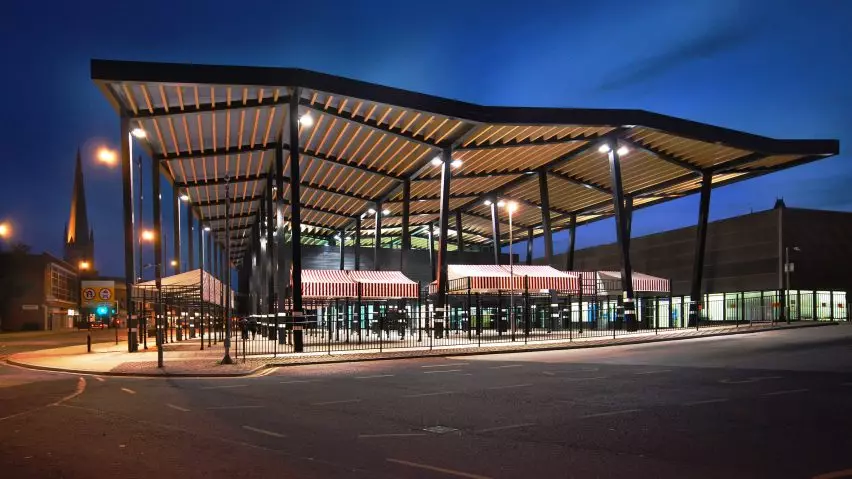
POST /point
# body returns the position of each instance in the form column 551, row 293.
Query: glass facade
column 63, row 284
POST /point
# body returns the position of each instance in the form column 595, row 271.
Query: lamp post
column 511, row 206
column 788, row 268
column 148, row 236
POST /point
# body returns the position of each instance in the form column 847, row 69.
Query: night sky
column 772, row 67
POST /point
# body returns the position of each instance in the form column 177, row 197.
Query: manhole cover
column 440, row 429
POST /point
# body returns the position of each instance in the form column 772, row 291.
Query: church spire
column 78, row 221
column 78, row 235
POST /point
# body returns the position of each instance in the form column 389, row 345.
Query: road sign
column 94, row 293
column 105, row 294
column 88, row 294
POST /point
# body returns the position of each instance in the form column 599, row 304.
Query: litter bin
column 439, row 329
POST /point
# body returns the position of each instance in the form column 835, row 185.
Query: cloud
column 705, row 46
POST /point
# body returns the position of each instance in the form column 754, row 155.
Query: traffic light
column 102, row 310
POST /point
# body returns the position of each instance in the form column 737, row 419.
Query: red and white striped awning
column 327, row 283
column 642, row 283
column 498, row 277
column 384, row 284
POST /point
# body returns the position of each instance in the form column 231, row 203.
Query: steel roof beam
column 221, row 181
column 532, row 142
column 342, row 162
column 222, row 106
column 671, row 159
column 210, row 153
column 579, row 182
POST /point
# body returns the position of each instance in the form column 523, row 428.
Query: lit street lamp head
column 139, row 133
column 107, row 156
column 5, row 230
column 147, row 235
column 84, row 265
column 174, row 262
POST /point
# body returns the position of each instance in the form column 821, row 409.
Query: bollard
column 89, row 343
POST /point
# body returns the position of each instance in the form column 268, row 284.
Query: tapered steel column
column 226, row 262
column 296, row 221
column 405, row 247
column 431, row 237
column 342, row 242
column 700, row 244
column 377, row 236
column 628, row 213
column 459, row 235
column 190, row 245
column 572, row 235
column 176, row 230
column 622, row 235
column 495, row 231
column 357, row 243
column 544, row 196
column 529, row 245
column 443, row 226
column 269, row 255
column 130, row 239
column 158, row 259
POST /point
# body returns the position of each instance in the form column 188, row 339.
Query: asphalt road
column 765, row 405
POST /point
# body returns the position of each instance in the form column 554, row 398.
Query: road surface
column 773, row 404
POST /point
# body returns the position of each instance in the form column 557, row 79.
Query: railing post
column 579, row 307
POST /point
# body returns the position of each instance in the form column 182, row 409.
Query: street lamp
column 147, row 235
column 306, row 120
column 84, row 265
column 511, row 206
column 5, row 230
column 788, row 268
column 107, row 156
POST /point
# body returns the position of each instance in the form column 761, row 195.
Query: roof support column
column 158, row 258
column 572, row 235
column 269, row 254
column 377, row 236
column 342, row 242
column 431, row 237
column 176, row 229
column 459, row 235
column 357, row 243
column 545, row 217
column 700, row 243
column 529, row 245
column 623, row 236
column 190, row 231
column 628, row 212
column 406, row 224
column 200, row 237
column 495, row 231
column 281, row 279
column 129, row 230
column 295, row 220
column 443, row 226
column 226, row 263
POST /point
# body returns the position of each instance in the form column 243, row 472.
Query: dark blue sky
column 776, row 68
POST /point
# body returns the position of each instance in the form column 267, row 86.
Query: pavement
column 773, row 404
column 186, row 358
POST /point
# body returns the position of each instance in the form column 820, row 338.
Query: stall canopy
column 610, row 282
column 384, row 284
column 498, row 277
column 212, row 291
column 322, row 283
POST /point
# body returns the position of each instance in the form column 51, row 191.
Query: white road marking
column 442, row 371
column 450, row 472
column 343, row 401
column 653, row 372
column 372, row 436
column 507, row 366
column 78, row 390
column 128, row 391
column 549, row 373
column 610, row 413
column 263, row 431
column 268, row 371
column 510, row 386
column 375, row 376
column 182, row 409
column 706, row 401
column 217, row 408
column 227, row 386
column 502, row 428
column 423, row 395
column 748, row 381
column 300, row 381
column 586, row 379
column 444, row 365
column 99, row 379
column 788, row 391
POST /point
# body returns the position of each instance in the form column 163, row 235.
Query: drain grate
column 440, row 429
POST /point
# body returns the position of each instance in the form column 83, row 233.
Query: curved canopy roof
column 207, row 122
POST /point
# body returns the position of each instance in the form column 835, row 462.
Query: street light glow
column 5, row 230
column 456, row 163
column 501, row 204
column 436, row 161
column 174, row 262
column 623, row 150
column 306, row 120
column 207, row 228
column 184, row 197
column 604, row 148
column 487, row 202
column 84, row 265
column 107, row 156
column 512, row 206
column 385, row 211
column 139, row 133
column 147, row 235
column 371, row 211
